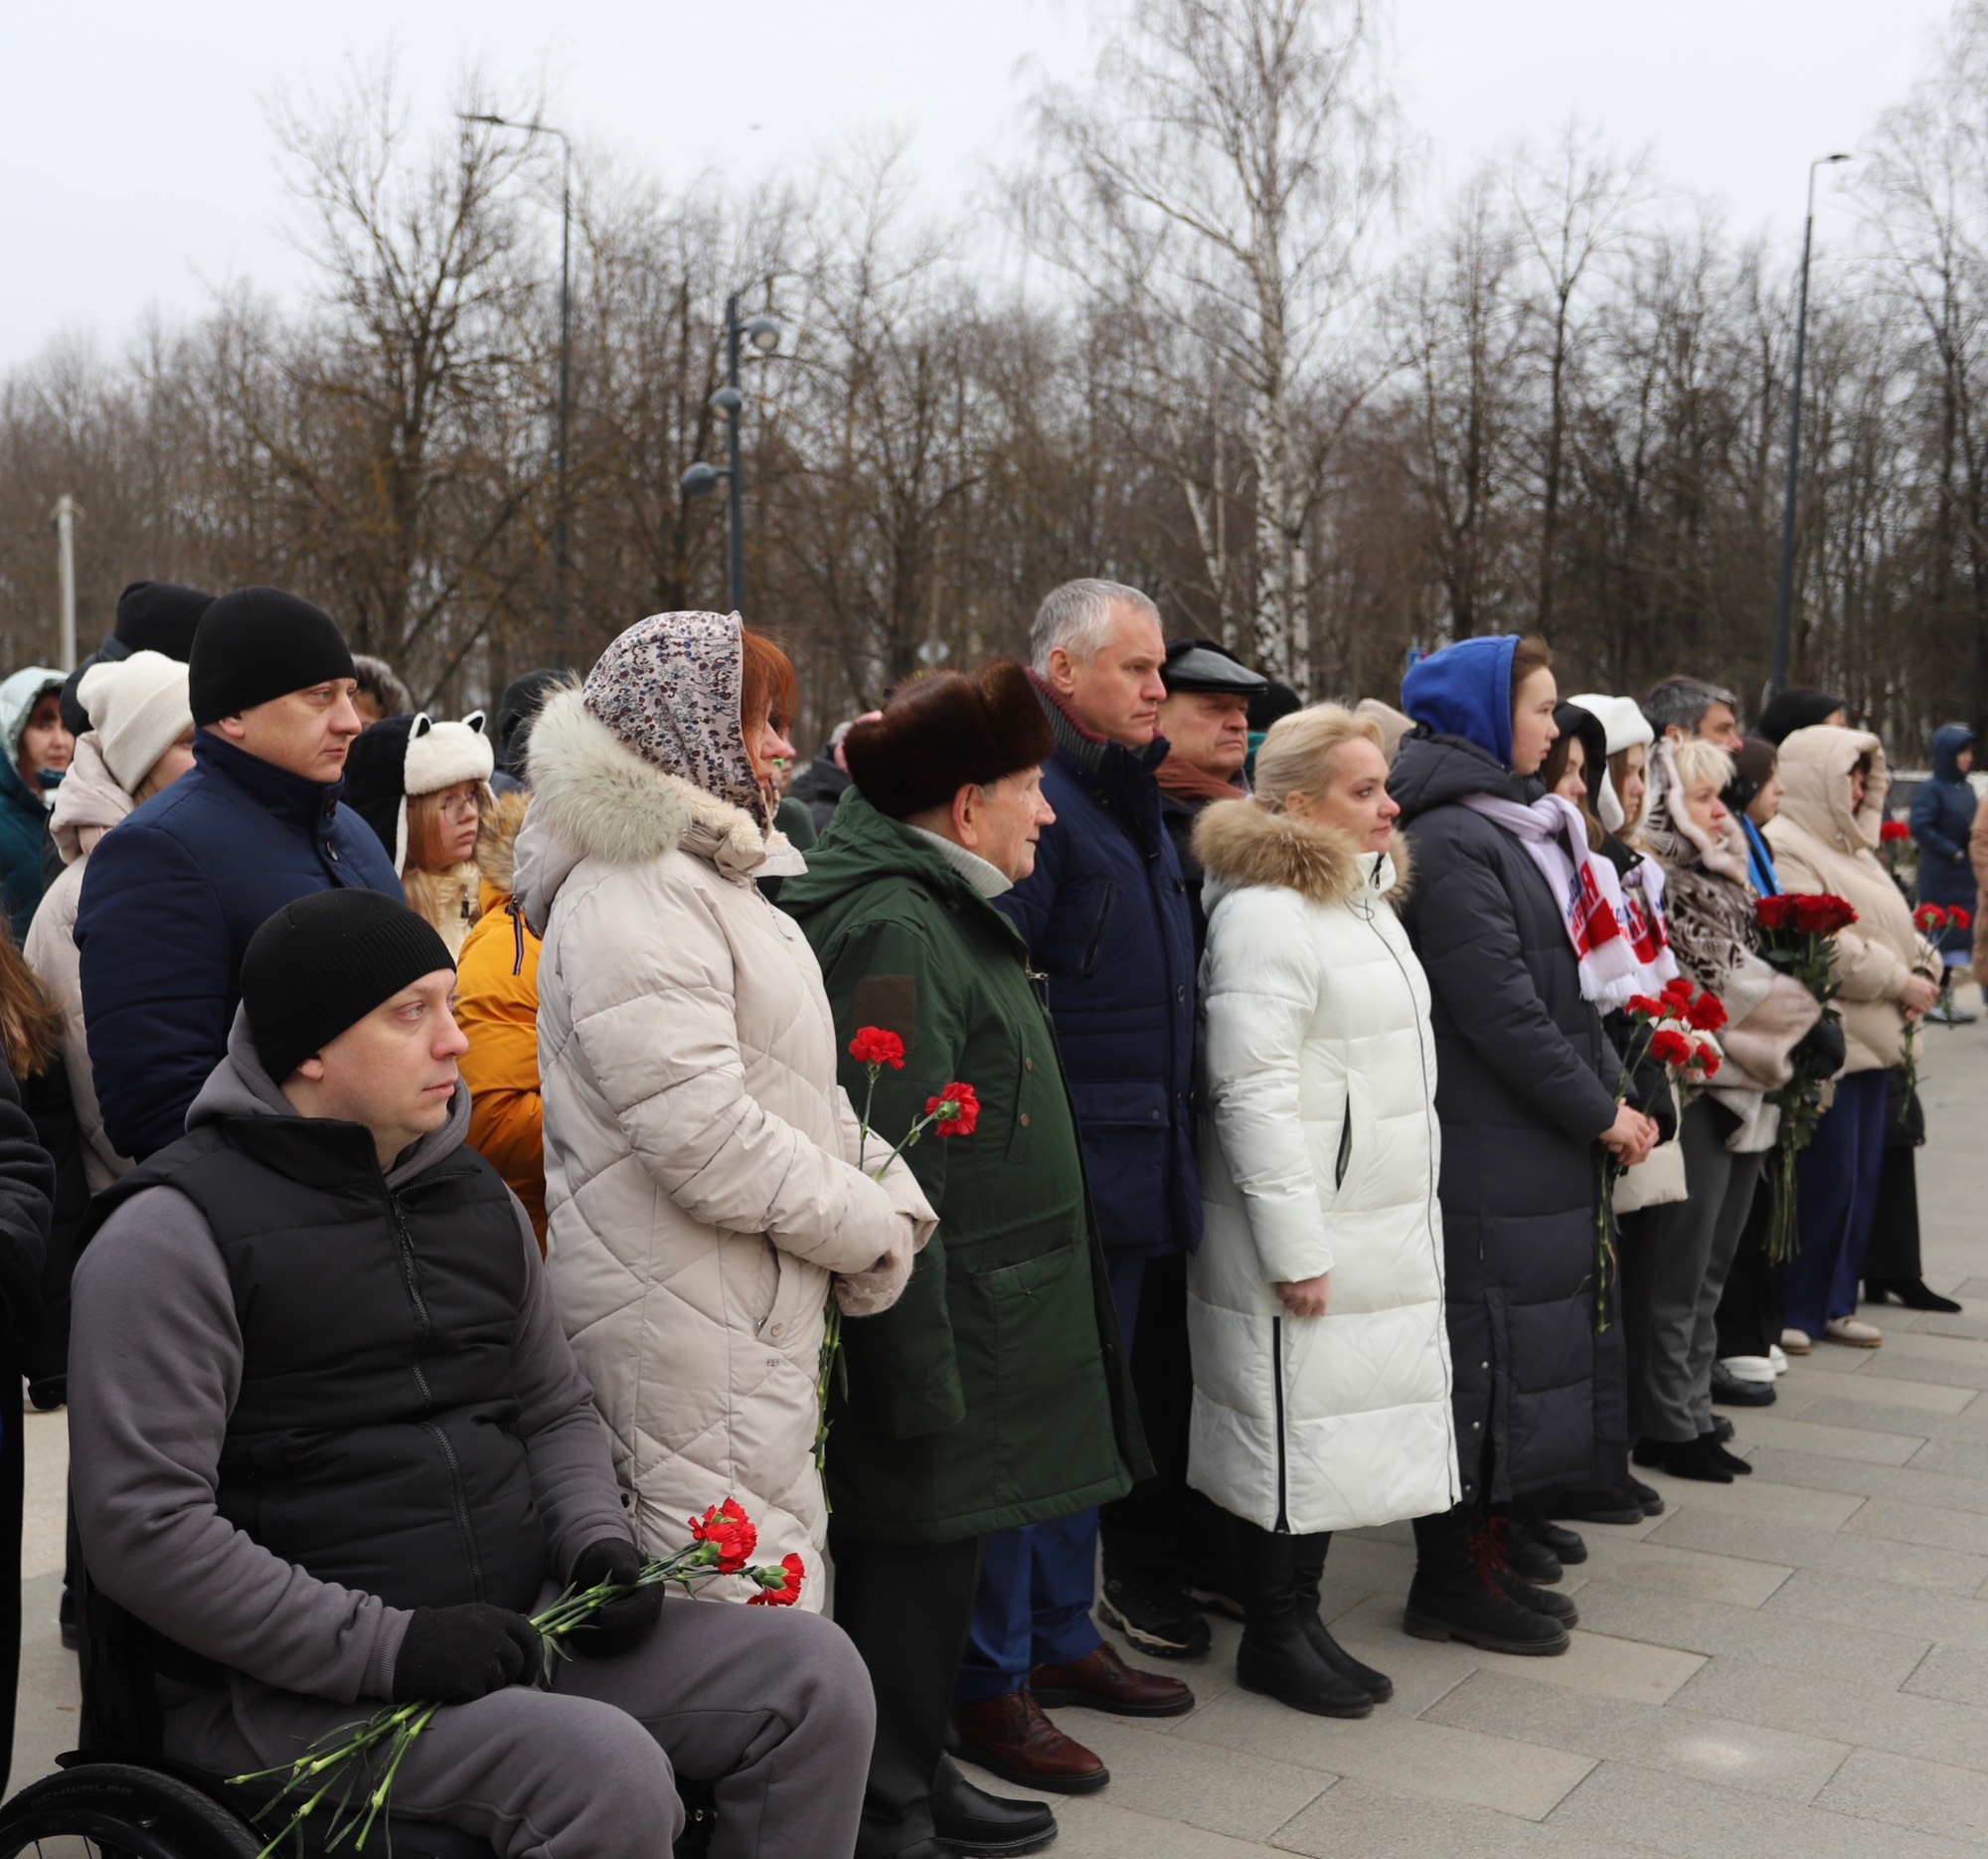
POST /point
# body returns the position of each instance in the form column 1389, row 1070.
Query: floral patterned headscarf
column 669, row 688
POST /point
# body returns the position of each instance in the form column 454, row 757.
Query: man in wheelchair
column 330, row 1448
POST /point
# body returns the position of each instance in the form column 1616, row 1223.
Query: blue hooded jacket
column 171, row 897
column 1467, row 690
column 1942, row 817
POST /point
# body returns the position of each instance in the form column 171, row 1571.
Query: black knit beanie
column 160, row 616
column 323, row 963
column 259, row 643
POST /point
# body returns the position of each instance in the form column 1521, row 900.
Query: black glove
column 1822, row 1050
column 455, row 1656
column 622, row 1624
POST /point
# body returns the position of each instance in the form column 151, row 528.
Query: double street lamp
column 762, row 335
column 1784, row 608
column 560, row 553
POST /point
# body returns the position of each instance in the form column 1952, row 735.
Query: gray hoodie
column 156, row 1365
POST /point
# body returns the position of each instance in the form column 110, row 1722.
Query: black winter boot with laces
column 1456, row 1593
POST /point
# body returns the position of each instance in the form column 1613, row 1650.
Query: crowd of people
column 1111, row 1126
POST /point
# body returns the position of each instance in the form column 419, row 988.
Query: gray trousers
column 771, row 1705
column 1692, row 1244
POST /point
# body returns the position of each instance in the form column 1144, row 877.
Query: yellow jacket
column 497, row 1006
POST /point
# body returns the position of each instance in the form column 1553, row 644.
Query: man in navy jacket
column 172, row 896
column 1105, row 917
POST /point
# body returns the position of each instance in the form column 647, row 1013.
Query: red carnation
column 957, row 1110
column 874, row 1046
column 731, row 1530
column 1931, row 919
column 1678, row 993
column 1642, row 1007
column 1959, row 918
column 1706, row 1014
column 1706, row 1061
column 1893, row 831
column 1820, row 913
column 1775, row 912
column 1670, row 1048
column 781, row 1593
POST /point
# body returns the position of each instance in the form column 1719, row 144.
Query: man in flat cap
column 1204, row 718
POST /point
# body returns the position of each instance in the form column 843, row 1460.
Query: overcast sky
column 137, row 161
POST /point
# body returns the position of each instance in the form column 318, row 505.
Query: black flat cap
column 1201, row 665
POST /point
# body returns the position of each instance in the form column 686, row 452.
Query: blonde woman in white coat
column 1321, row 1361
column 701, row 1178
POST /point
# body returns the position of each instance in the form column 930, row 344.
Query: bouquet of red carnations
column 1796, row 933
column 1674, row 1029
column 332, row 1778
column 955, row 1112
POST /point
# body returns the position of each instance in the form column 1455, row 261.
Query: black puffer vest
column 374, row 1438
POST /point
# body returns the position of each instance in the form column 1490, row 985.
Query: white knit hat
column 138, row 709
column 1623, row 723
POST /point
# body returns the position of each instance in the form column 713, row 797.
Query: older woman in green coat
column 992, row 1397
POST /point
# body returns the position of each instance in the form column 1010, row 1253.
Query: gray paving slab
column 1646, row 1809
column 1930, row 1524
column 1731, row 1753
column 1909, row 1483
column 1848, row 1604
column 1695, row 1574
column 1362, row 1821
column 1877, row 1558
column 1912, row 1722
column 1951, row 1672
column 1929, row 1797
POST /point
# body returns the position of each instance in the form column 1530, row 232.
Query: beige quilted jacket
column 697, row 1147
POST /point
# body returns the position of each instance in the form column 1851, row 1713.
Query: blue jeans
column 1038, row 1582
column 1836, row 1184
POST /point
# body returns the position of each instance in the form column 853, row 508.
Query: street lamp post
column 559, row 547
column 763, row 334
column 1784, row 607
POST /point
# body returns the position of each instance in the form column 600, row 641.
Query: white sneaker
column 1748, row 1368
column 1796, row 1342
column 1854, row 1331
column 1778, row 1356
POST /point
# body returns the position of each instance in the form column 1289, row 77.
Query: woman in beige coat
column 701, row 1178
column 1825, row 838
column 139, row 743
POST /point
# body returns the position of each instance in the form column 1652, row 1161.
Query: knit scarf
column 1181, row 778
column 1585, row 886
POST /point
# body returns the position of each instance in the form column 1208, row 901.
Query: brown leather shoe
column 1102, row 1681
column 1011, row 1737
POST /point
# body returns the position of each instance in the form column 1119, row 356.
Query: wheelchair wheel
column 117, row 1810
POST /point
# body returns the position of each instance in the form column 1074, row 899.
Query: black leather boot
column 1456, row 1593
column 1277, row 1656
column 1310, row 1569
column 968, row 1820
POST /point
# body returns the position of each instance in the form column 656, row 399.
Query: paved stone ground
column 1796, row 1663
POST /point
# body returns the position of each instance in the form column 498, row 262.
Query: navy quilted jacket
column 1105, row 917
column 170, row 898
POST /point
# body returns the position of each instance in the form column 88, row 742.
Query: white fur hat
column 1623, row 723
column 138, row 709
column 442, row 753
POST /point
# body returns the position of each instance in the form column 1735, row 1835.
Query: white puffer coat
column 1319, row 1153
column 698, row 1146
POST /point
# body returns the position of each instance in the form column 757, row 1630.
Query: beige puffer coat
column 1820, row 844
column 89, row 805
column 699, row 1150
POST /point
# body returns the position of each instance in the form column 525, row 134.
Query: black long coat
column 1525, row 1083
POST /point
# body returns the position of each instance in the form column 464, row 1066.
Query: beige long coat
column 1820, row 844
column 700, row 1183
column 89, row 805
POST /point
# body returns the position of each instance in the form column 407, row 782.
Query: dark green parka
column 993, row 1393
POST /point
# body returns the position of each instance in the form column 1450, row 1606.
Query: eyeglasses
column 461, row 807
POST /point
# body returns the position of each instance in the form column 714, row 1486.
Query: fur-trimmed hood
column 1816, row 766
column 1242, row 842
column 592, row 796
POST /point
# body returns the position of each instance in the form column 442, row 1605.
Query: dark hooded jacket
column 819, row 786
column 994, row 1391
column 1105, row 917
column 1943, row 818
column 1525, row 1083
column 169, row 902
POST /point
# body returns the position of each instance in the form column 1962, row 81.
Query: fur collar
column 497, row 840
column 1245, row 843
column 591, row 788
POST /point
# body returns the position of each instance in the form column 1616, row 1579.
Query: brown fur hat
column 945, row 732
